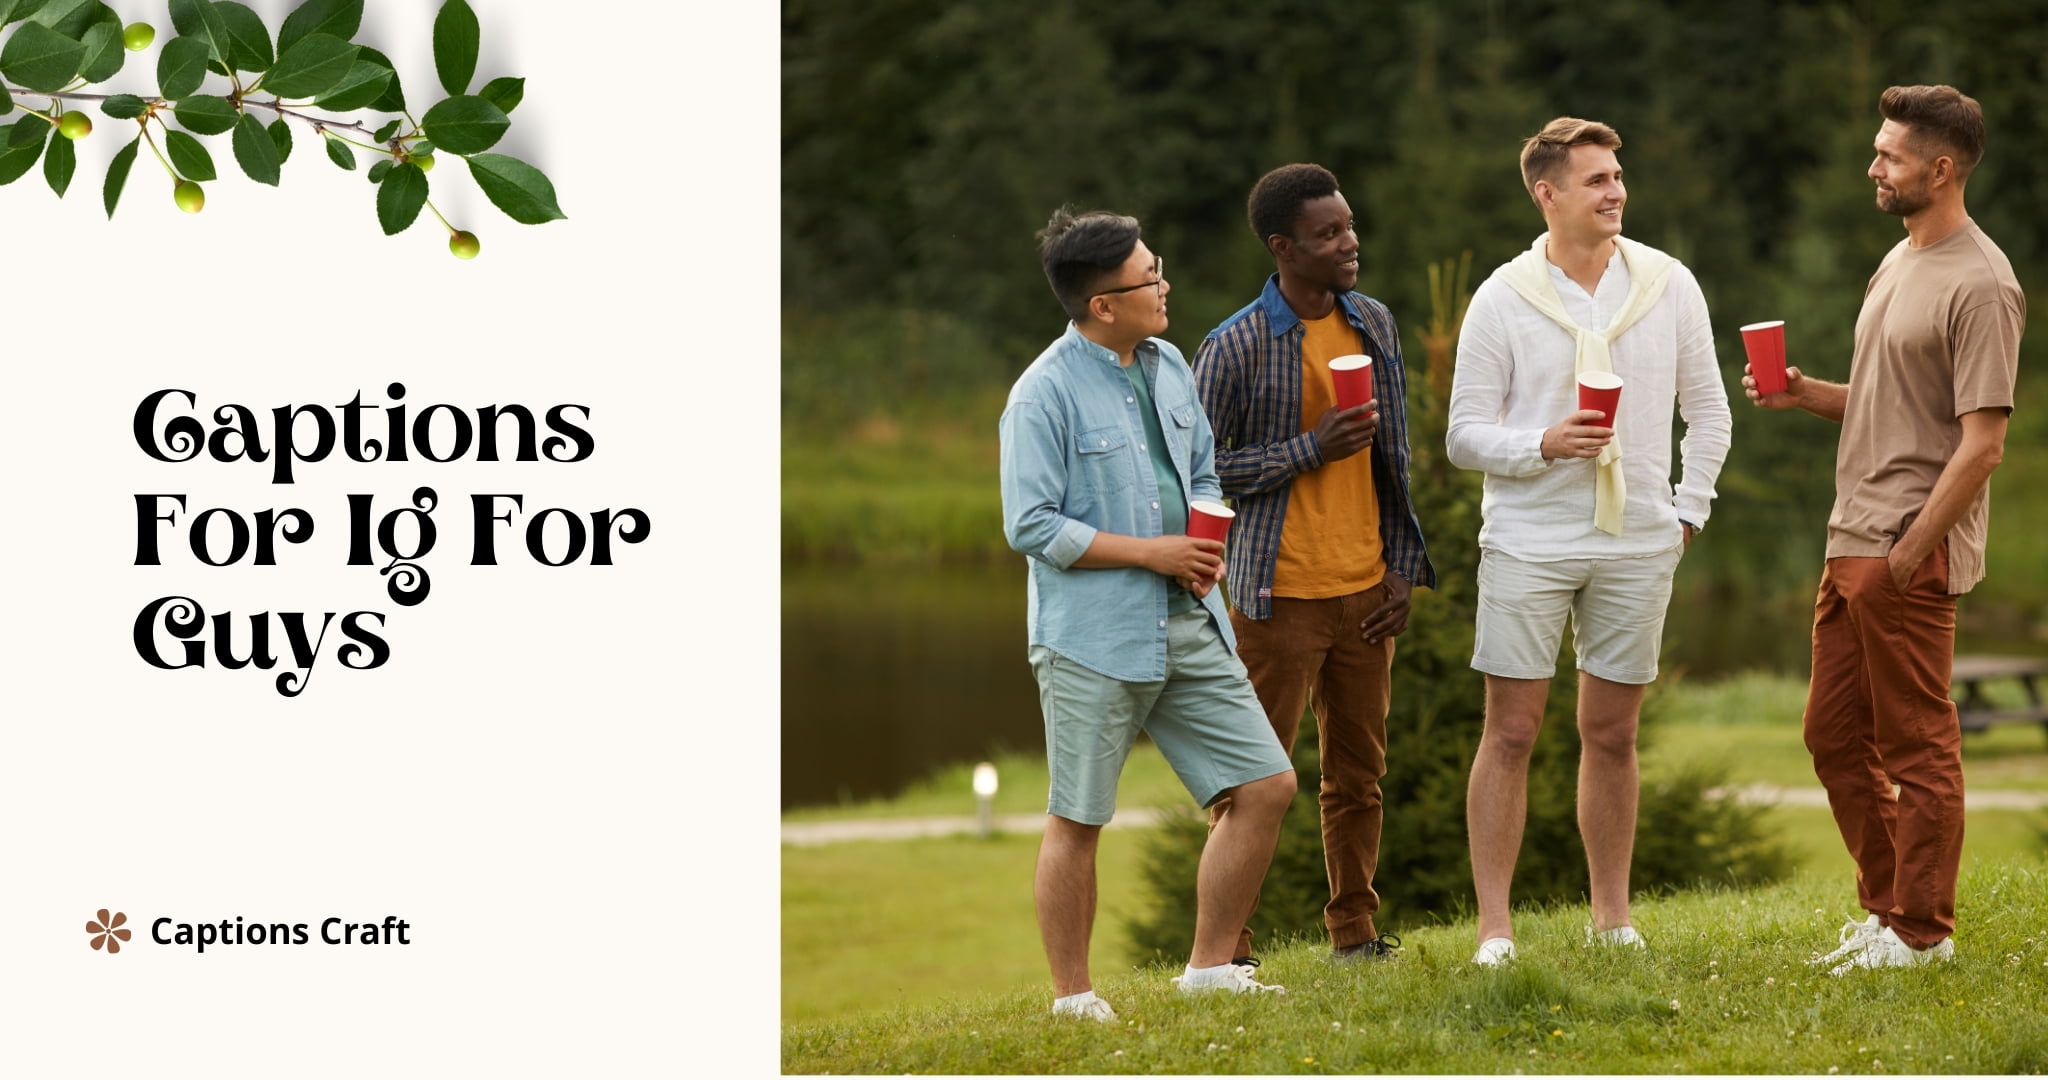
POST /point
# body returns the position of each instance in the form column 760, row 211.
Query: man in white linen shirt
column 1579, row 515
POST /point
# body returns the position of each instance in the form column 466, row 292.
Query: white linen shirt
column 1515, row 379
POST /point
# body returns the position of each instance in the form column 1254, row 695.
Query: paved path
column 810, row 834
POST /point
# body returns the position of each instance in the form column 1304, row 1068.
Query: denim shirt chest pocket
column 1180, row 435
column 1104, row 456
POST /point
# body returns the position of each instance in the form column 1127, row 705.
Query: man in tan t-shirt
column 1923, row 420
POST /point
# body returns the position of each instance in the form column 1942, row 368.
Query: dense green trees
column 924, row 142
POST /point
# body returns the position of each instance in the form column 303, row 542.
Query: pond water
column 891, row 672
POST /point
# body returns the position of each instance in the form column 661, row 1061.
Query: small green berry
column 425, row 162
column 464, row 245
column 191, row 197
column 137, row 36
column 74, row 125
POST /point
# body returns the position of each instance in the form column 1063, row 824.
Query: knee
column 1511, row 736
column 1608, row 740
column 1269, row 796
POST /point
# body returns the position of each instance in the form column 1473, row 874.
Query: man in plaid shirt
column 1325, row 546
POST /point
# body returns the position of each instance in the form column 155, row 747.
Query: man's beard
column 1902, row 203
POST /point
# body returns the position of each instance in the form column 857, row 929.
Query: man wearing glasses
column 1103, row 446
column 1326, row 544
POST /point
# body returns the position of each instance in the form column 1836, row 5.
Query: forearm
column 1965, row 475
column 1249, row 470
column 1824, row 399
column 1109, row 551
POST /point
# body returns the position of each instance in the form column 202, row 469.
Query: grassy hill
column 1724, row 987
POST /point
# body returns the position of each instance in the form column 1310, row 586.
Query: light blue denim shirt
column 1074, row 463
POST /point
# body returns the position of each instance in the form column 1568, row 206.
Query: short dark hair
column 1080, row 250
column 1276, row 200
column 1943, row 119
column 1545, row 152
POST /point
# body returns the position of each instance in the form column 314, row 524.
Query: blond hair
column 1544, row 153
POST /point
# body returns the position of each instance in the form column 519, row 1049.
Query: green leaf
column 67, row 17
column 456, row 36
column 364, row 83
column 465, row 125
column 201, row 19
column 393, row 99
column 104, row 54
column 249, row 40
column 20, row 156
column 420, row 146
column 378, row 168
column 281, row 135
column 59, row 164
column 339, row 18
column 205, row 114
column 520, row 190
column 506, row 93
column 385, row 133
column 189, row 156
column 6, row 99
column 117, row 174
column 185, row 18
column 39, row 58
column 122, row 106
column 339, row 153
column 30, row 129
column 181, row 67
column 312, row 66
column 400, row 197
column 255, row 150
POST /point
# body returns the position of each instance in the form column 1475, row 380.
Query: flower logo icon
column 108, row 932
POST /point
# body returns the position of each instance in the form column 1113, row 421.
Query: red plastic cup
column 1353, row 375
column 1209, row 521
column 1765, row 343
column 1600, row 390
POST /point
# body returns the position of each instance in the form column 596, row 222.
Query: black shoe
column 1245, row 961
column 1380, row 948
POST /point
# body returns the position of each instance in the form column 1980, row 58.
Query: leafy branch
column 312, row 63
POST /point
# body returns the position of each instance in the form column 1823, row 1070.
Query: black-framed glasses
column 1158, row 280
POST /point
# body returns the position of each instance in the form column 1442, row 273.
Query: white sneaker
column 1887, row 951
column 1855, row 937
column 1616, row 937
column 1494, row 951
column 1235, row 978
column 1092, row 1009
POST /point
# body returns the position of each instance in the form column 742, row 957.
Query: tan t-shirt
column 1939, row 336
column 1330, row 541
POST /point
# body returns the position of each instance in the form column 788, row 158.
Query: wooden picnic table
column 1974, row 709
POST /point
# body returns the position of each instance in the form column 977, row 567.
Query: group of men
column 1109, row 436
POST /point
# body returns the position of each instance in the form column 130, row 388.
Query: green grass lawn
column 885, row 926
column 1723, row 988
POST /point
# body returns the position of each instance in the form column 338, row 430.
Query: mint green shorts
column 1205, row 718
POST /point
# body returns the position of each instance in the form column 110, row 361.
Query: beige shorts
column 1616, row 608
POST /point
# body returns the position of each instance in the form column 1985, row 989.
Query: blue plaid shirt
column 1248, row 372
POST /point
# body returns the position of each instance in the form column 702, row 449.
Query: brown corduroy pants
column 1878, row 714
column 1310, row 655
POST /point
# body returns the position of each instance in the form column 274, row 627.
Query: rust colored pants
column 1309, row 654
column 1878, row 714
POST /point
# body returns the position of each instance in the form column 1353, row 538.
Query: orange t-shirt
column 1330, row 538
